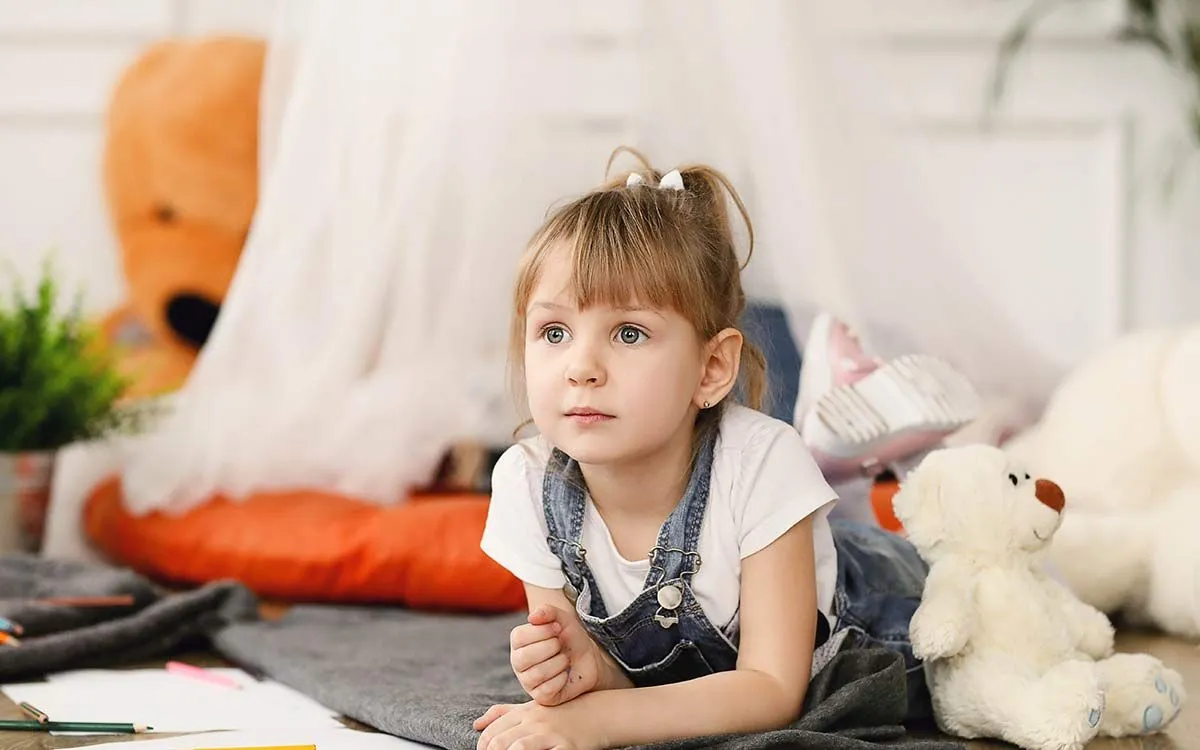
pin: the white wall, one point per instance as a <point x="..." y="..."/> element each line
<point x="1056" y="206"/>
<point x="58" y="60"/>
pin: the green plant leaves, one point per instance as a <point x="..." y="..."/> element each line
<point x="58" y="384"/>
<point x="1014" y="40"/>
<point x="1174" y="36"/>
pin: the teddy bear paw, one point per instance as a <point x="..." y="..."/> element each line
<point x="1143" y="695"/>
<point x="1161" y="712"/>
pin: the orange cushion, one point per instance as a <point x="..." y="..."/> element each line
<point x="313" y="546"/>
<point x="881" y="500"/>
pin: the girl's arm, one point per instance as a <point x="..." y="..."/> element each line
<point x="609" y="675"/>
<point x="765" y="692"/>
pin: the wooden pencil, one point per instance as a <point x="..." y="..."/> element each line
<point x="34" y="712"/>
<point x="123" y="600"/>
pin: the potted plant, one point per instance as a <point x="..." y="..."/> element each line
<point x="1171" y="28"/>
<point x="58" y="385"/>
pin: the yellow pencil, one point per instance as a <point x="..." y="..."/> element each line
<point x="263" y="747"/>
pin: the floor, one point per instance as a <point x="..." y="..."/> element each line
<point x="1184" y="733"/>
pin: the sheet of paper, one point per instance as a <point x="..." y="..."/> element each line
<point x="172" y="702"/>
<point x="324" y="739"/>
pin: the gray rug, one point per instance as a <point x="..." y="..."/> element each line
<point x="59" y="637"/>
<point x="426" y="677"/>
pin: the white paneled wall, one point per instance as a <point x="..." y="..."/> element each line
<point x="1054" y="210"/>
<point x="58" y="62"/>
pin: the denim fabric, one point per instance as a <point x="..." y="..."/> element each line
<point x="766" y="325"/>
<point x="663" y="636"/>
<point x="880" y="580"/>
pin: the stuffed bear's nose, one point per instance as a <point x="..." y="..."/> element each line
<point x="1050" y="495"/>
<point x="192" y="317"/>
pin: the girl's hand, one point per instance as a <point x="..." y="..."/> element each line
<point x="533" y="727"/>
<point x="554" y="658"/>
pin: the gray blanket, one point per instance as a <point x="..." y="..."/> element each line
<point x="427" y="676"/>
<point x="416" y="675"/>
<point x="65" y="637"/>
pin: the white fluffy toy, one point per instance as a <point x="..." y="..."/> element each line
<point x="1121" y="436"/>
<point x="1009" y="652"/>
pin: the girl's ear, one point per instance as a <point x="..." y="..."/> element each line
<point x="722" y="358"/>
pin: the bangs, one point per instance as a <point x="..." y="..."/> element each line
<point x="620" y="274"/>
<point x="623" y="255"/>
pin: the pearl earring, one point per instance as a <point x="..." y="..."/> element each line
<point x="706" y="404"/>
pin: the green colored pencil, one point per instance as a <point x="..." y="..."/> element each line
<point x="72" y="726"/>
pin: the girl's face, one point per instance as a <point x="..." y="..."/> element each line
<point x="608" y="385"/>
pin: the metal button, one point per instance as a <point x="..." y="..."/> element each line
<point x="570" y="591"/>
<point x="670" y="597"/>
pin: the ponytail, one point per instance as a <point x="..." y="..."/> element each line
<point x="753" y="373"/>
<point x="710" y="188"/>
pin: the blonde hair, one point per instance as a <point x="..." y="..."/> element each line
<point x="672" y="249"/>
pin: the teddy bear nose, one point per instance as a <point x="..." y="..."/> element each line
<point x="1050" y="495"/>
<point x="192" y="317"/>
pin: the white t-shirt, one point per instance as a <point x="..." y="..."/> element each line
<point x="764" y="481"/>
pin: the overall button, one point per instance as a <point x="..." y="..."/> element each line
<point x="570" y="591"/>
<point x="670" y="597"/>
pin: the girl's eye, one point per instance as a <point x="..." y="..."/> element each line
<point x="630" y="335"/>
<point x="554" y="334"/>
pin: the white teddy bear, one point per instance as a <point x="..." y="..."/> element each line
<point x="1009" y="652"/>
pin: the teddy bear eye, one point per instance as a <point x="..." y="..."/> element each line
<point x="164" y="213"/>
<point x="1026" y="476"/>
<point x="1013" y="478"/>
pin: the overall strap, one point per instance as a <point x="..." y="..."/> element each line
<point x="675" y="552"/>
<point x="564" y="503"/>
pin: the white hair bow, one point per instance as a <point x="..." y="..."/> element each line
<point x="672" y="180"/>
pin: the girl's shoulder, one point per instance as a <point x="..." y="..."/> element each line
<point x="748" y="431"/>
<point x="765" y="478"/>
<point x="524" y="460"/>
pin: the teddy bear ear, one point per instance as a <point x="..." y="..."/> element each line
<point x="919" y="494"/>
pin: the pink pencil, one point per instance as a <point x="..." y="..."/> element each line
<point x="187" y="670"/>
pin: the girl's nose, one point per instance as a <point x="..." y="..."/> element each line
<point x="586" y="369"/>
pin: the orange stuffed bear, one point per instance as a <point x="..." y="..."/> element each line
<point x="181" y="178"/>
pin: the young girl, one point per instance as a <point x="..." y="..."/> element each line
<point x="674" y="545"/>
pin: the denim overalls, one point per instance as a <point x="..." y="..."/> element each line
<point x="663" y="636"/>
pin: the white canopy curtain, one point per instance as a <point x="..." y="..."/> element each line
<point x="409" y="148"/>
